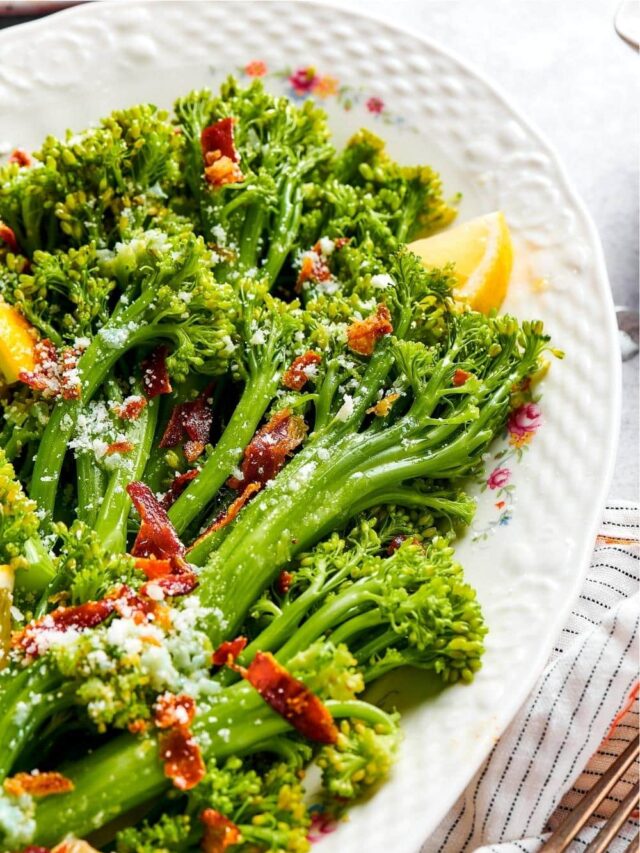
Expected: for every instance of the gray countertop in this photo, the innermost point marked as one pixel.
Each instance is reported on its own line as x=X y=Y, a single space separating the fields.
x=564 y=65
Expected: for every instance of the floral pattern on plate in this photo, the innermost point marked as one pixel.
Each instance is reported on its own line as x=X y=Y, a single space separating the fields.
x=306 y=81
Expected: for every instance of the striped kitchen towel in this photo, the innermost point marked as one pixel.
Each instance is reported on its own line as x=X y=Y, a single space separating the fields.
x=580 y=716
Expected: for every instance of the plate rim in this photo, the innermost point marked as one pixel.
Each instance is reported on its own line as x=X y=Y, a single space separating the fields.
x=597 y=503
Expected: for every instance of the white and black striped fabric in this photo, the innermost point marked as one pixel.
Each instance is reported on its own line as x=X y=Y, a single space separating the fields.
x=580 y=716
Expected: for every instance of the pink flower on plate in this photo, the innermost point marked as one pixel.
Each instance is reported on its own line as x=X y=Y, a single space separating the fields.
x=524 y=420
x=375 y=105
x=256 y=68
x=498 y=478
x=304 y=80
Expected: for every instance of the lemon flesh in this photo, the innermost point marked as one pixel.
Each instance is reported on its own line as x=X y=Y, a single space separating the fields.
x=17 y=343
x=482 y=254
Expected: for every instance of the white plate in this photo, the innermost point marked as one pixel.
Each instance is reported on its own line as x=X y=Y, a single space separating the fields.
x=70 y=69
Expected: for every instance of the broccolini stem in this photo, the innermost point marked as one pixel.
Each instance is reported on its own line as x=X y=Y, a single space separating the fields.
x=285 y=230
x=32 y=697
x=255 y=399
x=111 y=523
x=92 y=482
x=40 y=567
x=126 y=772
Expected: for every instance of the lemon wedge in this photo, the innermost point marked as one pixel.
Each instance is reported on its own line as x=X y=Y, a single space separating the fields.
x=17 y=343
x=482 y=253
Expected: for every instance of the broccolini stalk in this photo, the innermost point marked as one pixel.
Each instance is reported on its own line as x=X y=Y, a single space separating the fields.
x=254 y=222
x=268 y=331
x=158 y=278
x=441 y=435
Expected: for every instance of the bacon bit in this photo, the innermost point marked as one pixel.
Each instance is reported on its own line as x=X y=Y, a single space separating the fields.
x=384 y=406
x=460 y=377
x=119 y=447
x=233 y=509
x=395 y=543
x=220 y=154
x=131 y=407
x=172 y=585
x=221 y=170
x=297 y=374
x=267 y=451
x=138 y=727
x=227 y=652
x=157 y=536
x=219 y=832
x=38 y=784
x=35 y=849
x=171 y=710
x=193 y=450
x=194 y=418
x=8 y=237
x=313 y=268
x=80 y=617
x=55 y=373
x=290 y=698
x=219 y=137
x=153 y=568
x=19 y=156
x=283 y=584
x=74 y=845
x=130 y=605
x=363 y=335
x=182 y=758
x=155 y=376
x=177 y=487
x=341 y=242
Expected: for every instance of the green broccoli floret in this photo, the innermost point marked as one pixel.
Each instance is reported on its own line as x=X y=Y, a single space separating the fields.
x=168 y=834
x=361 y=758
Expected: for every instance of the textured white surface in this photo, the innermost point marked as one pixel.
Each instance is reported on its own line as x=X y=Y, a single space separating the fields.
x=71 y=69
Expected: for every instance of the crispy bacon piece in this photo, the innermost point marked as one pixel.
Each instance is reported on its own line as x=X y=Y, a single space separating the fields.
x=155 y=376
x=171 y=710
x=172 y=586
x=290 y=698
x=157 y=536
x=219 y=137
x=233 y=509
x=19 y=156
x=363 y=335
x=268 y=449
x=154 y=568
x=79 y=617
x=298 y=374
x=177 y=487
x=384 y=406
x=138 y=727
x=283 y=584
x=38 y=784
x=55 y=373
x=119 y=447
x=193 y=418
x=219 y=832
x=460 y=377
x=220 y=155
x=227 y=652
x=341 y=242
x=8 y=237
x=182 y=758
x=130 y=605
x=33 y=848
x=395 y=543
x=74 y=845
x=131 y=407
x=313 y=268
